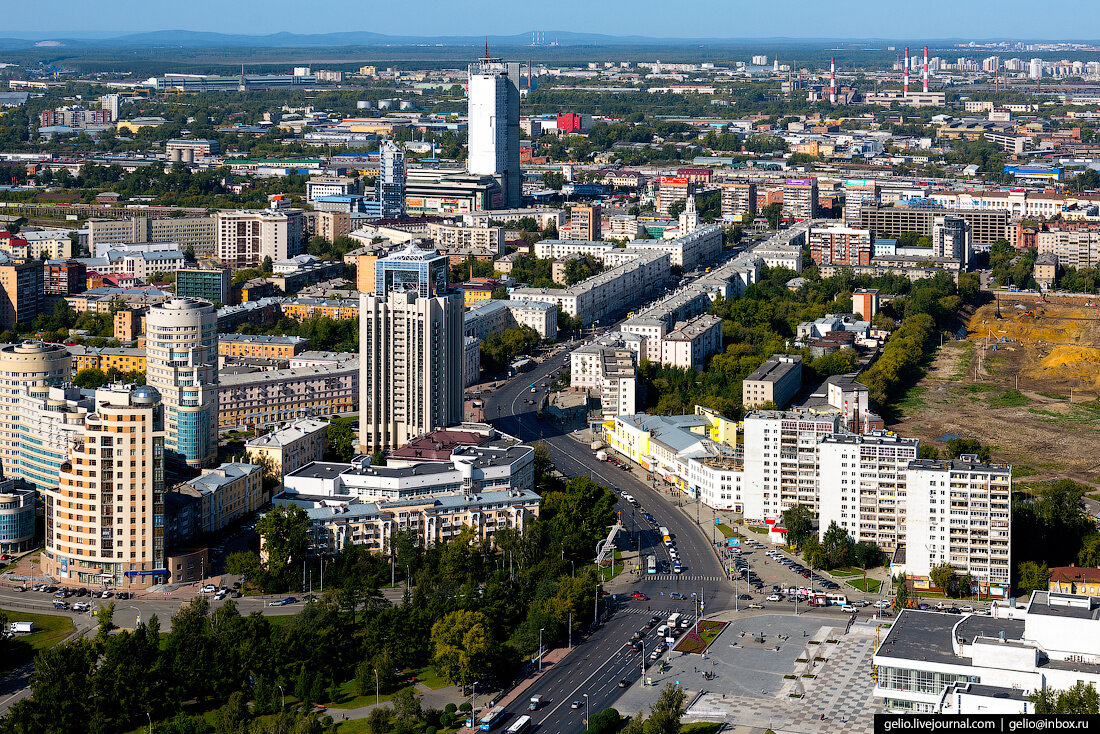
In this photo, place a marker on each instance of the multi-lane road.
(605, 659)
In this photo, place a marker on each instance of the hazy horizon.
(842, 20)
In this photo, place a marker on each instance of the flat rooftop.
(918, 635)
(774, 370)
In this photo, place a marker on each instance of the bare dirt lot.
(1025, 383)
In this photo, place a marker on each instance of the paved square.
(749, 691)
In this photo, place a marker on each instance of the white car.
(775, 597)
(209, 589)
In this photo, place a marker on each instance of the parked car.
(775, 597)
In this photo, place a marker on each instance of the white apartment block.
(960, 511)
(688, 251)
(863, 487)
(659, 318)
(606, 293)
(619, 383)
(622, 227)
(471, 361)
(781, 460)
(492, 317)
(143, 264)
(247, 236)
(565, 249)
(691, 343)
(542, 217)
(317, 187)
(452, 236)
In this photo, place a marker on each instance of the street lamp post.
(376, 699)
(150, 717)
(570, 630)
(541, 629)
(587, 711)
(282, 695)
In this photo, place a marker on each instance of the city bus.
(666, 536)
(651, 564)
(491, 719)
(836, 600)
(520, 725)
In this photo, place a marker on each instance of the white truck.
(601, 455)
(20, 628)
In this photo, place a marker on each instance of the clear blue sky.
(849, 19)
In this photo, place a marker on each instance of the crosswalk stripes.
(682, 577)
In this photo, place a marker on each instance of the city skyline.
(848, 20)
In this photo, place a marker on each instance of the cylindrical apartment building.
(27, 368)
(105, 520)
(181, 351)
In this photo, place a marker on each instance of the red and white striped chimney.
(832, 80)
(925, 70)
(906, 71)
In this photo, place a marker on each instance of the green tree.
(799, 522)
(1033, 576)
(943, 578)
(837, 545)
(284, 538)
(901, 593)
(1080, 698)
(341, 440)
(773, 213)
(1089, 555)
(664, 717)
(268, 265)
(90, 378)
(461, 646)
(676, 208)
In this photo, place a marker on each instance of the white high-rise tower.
(181, 352)
(493, 127)
(689, 217)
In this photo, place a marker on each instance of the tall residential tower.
(182, 363)
(105, 520)
(391, 180)
(410, 351)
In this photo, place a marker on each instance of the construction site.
(1025, 381)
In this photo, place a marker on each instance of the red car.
(640, 595)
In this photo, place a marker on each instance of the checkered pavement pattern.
(842, 691)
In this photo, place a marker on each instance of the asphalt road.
(605, 657)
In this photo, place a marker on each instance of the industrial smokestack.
(832, 80)
(906, 87)
(925, 70)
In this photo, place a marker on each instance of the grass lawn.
(727, 531)
(872, 586)
(762, 531)
(49, 629)
(430, 678)
(845, 571)
(349, 699)
(701, 727)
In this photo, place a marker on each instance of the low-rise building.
(613, 291)
(259, 345)
(437, 519)
(254, 399)
(292, 446)
(776, 381)
(493, 317)
(221, 496)
(692, 343)
(16, 516)
(938, 663)
(468, 470)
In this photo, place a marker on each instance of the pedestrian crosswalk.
(682, 577)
